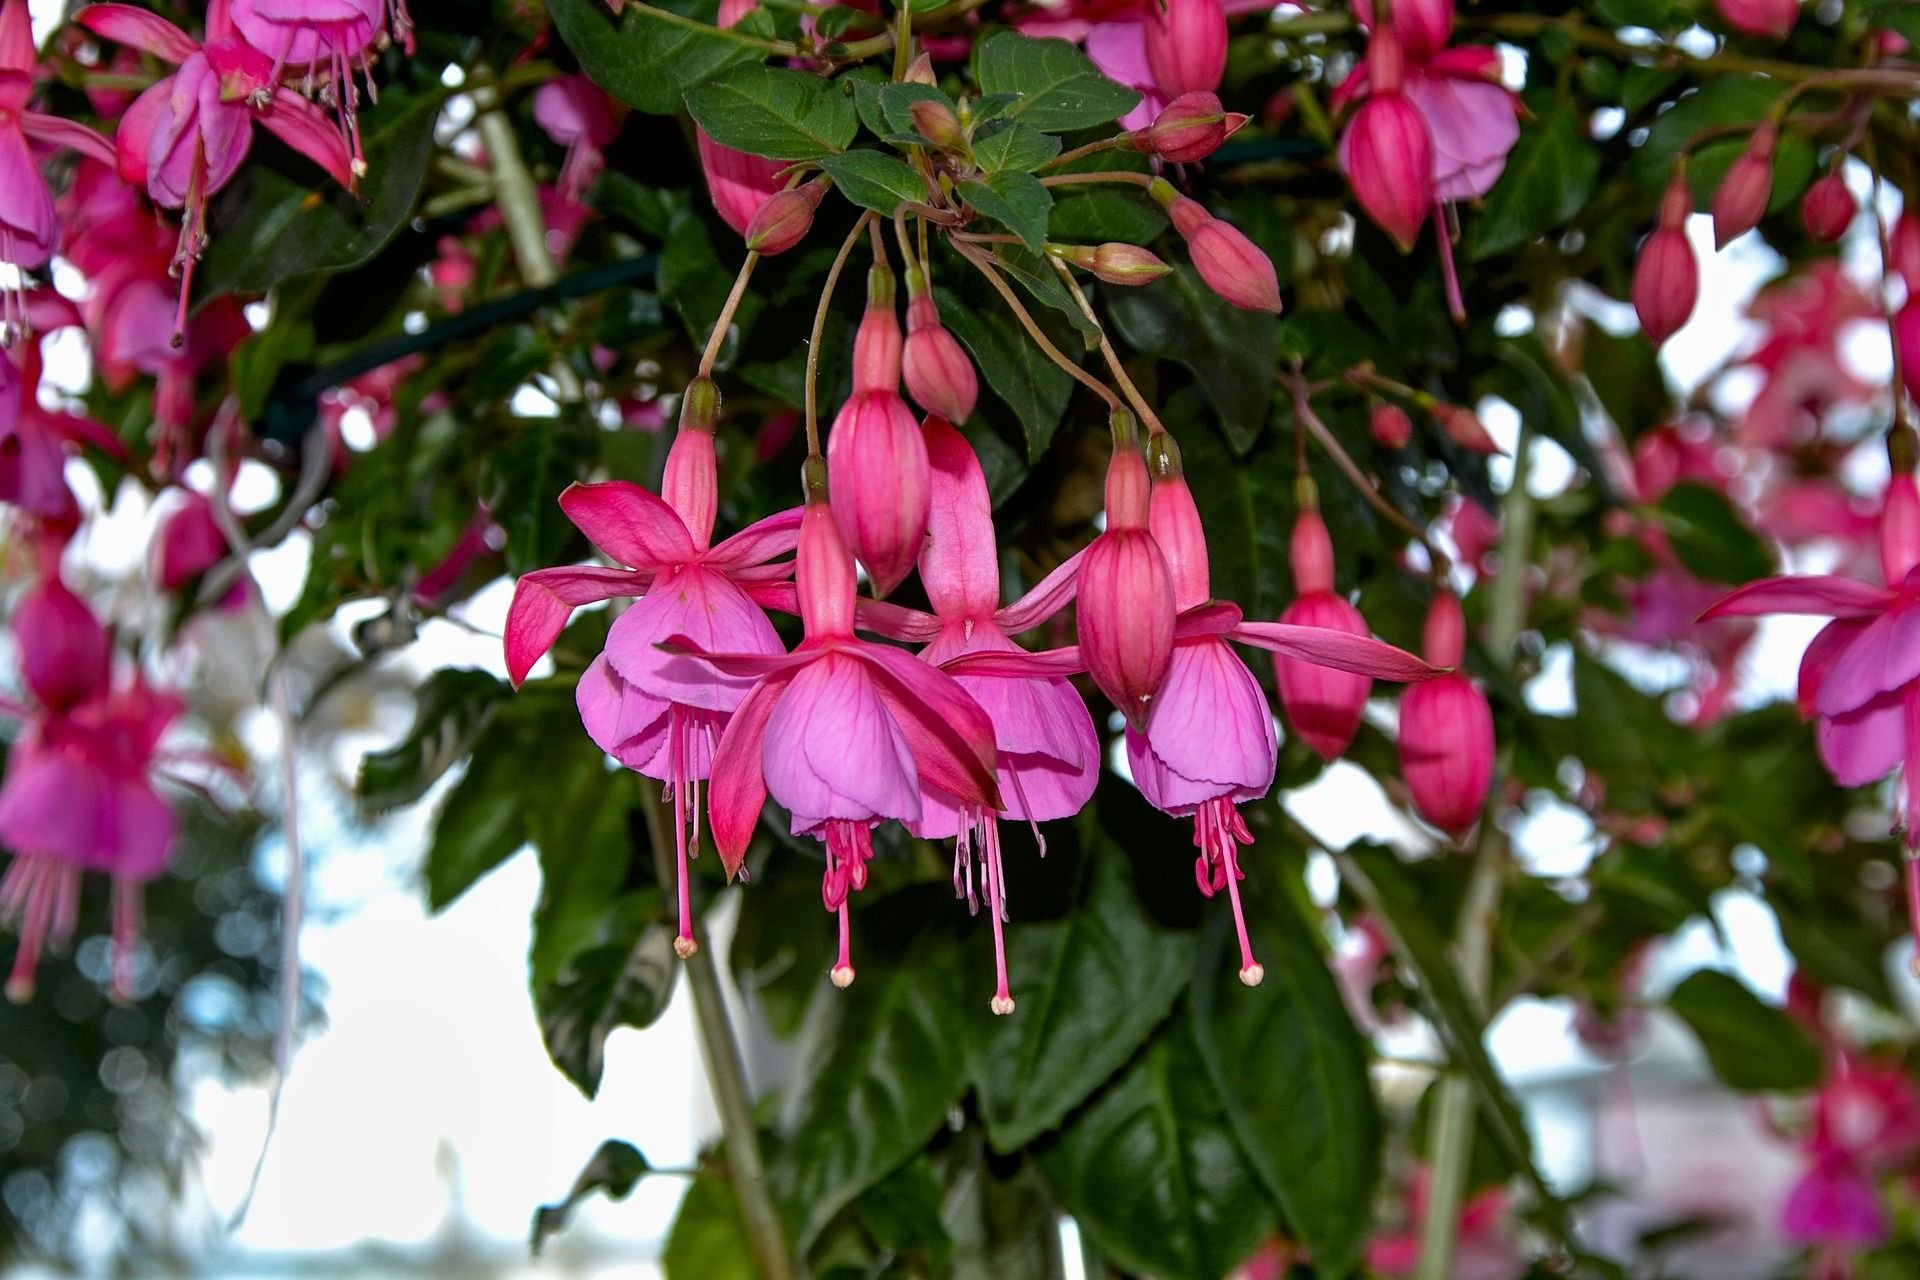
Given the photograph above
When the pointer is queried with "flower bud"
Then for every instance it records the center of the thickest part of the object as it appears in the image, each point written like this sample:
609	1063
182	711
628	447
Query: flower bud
784	220
1666	280
691	483
1186	44
1113	262
1392	429
939	376
1906	250
921	72
1446	731
935	122
63	647
1174	521
1232	265
1744	192
876	344
1126	601
1828	207
823	567
1769	19
1906	335
1189	128
1323	705
1899	529
1464	429
1388	154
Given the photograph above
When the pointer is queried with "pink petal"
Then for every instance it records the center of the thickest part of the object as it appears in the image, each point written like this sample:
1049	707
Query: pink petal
50	807
1019	663
1361	655
894	621
777	535
1885	657
628	523
1216	618
543	601
1834	1203
1865	744
950	736
133	141
139	826
833	750
1824	595
65	133
1474	126
1210	722
310	131
960	563
1048	597
739	785
1034	717
625	723
754	666
699	610
140	28
26	204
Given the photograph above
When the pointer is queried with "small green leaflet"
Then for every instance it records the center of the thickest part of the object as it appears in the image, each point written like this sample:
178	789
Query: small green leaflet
1058	87
1003	148
774	112
1015	200
874	180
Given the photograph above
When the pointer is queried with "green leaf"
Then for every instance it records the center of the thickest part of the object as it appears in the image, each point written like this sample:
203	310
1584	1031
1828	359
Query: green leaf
278	222
1902	16
480	824
1058	87
902	1214
1032	386
1003	147
1091	214
1626	377
1246	504
1834	950
1710	538
1732	100
1151	1172
875	1069
1104	976
1292	1071
1752	1046
1547	181
775	112
616	1168
521	479
1016	201
707	1241
874	180
1230	351
625	983
452	708
648	61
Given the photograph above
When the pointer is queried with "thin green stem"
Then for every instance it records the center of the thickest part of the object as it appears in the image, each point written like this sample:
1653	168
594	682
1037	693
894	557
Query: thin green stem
860	50
725	320
1119	372
902	39
727	1073
1091	148
779	48
820	326
1104	175
984	265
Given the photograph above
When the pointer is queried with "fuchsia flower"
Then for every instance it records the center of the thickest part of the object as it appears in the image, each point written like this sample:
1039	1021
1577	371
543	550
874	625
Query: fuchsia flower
330	39
652	711
1387	150
844	733
1186	45
577	114
185	137
1323	704
1190	128
1127	612
1446	729
1866	1121
785	218
1828	208
876	458
1202	740
1233	266
1047	751
27	225
1391	427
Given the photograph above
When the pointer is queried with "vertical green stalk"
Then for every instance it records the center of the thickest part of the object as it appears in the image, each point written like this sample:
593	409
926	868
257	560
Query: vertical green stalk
514	189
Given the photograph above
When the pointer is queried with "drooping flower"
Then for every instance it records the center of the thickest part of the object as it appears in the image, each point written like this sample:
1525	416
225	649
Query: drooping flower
1827	209
577	114
1323	704
1446	729
1127	614
1186	45
34	440
843	732
876	458
63	648
185	137
1743	193
654	712
330	40
1387	151
1666	279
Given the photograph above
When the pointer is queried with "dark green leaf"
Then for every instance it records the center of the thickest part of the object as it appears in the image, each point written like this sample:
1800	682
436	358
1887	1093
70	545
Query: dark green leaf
452	708
1058	87
902	1214
874	180
1005	146
646	60
1017	371
507	358
1625	375
480	824
625	983
523	479
1732	100
1230	351
1152	1173
1104	976
1902	16
707	1241
1292	1072
775	112
1751	1045
1092	214
1017	201
1548	178
272	225
1834	950
1710	538
613	1172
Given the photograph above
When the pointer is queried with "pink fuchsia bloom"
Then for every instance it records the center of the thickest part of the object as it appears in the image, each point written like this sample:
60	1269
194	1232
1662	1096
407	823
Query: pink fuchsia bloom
1906	333
1233	266
1743	193
1047	751
27	225
1189	129
876	457
938	374
1186	45
1768	19
1666	280
185	137
79	796
1387	150
738	183
579	116
1127	611
656	713
35	441
1827	209
1835	1202
1446	730
1323	704
1808	319
843	732
1868	1111
330	39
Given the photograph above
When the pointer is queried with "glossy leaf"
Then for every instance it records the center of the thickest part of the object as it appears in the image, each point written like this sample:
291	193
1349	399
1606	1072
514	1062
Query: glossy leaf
1548	179
1752	1046
614	1171
706	1241
452	708
775	112
1230	351
874	180
647	61
1058	88
1710	538
1016	201
1013	147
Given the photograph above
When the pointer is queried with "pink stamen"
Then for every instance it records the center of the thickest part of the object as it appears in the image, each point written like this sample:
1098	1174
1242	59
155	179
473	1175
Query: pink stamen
684	945
1219	831
842	972
1002	1002
126	933
27	896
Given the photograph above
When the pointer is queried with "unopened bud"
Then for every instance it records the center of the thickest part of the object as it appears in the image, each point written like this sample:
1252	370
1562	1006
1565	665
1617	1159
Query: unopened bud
1190	128
1392	429
936	122
921	72
1666	280
1744	192
1828	207
1113	262
1185	44
1464	429
784	220
938	374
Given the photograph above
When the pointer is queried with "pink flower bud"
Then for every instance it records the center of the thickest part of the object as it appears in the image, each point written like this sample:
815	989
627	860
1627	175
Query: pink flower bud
784	220
1446	731
1186	44
1392	429
1464	429
1906	333
1126	603
939	376
1828	208
1323	705
876	344
1232	265
1115	263
936	122
1189	128
1906	250
1666	280
1899	529
876	458
1388	154
1770	19
1174	521
691	483
1744	192
63	647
